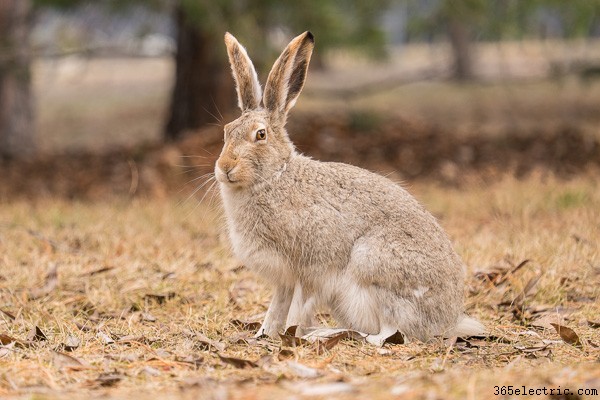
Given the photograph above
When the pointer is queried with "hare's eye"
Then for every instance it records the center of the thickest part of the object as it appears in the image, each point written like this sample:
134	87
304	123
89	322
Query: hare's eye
261	134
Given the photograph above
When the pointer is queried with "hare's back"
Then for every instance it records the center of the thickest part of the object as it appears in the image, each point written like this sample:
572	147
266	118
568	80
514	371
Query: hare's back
385	209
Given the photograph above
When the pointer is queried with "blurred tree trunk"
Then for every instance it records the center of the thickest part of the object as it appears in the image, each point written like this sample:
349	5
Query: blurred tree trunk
203	84
16	103
460	41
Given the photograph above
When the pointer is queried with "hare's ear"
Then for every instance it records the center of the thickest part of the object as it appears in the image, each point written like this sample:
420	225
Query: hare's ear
288	74
246	80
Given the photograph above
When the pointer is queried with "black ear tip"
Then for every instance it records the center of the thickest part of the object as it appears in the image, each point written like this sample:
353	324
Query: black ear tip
310	36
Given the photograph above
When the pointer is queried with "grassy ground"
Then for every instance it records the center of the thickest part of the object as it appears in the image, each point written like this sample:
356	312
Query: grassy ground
124	298
145	293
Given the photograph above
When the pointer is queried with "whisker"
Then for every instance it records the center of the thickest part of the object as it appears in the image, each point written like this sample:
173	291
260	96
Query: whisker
194	192
203	149
202	199
200	177
212	115
217	108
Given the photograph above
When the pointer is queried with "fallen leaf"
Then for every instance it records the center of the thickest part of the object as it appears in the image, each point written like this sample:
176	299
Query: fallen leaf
568	335
151	371
285	354
302	371
82	327
242	338
108	379
290	340
104	338
62	360
159	298
9	315
547	320
206	343
246	325
396	338
36	335
532	349
527	290
498	275
323	389
6	340
195	361
97	271
326	333
238	362
145	316
594	324
71	343
321	346
51	280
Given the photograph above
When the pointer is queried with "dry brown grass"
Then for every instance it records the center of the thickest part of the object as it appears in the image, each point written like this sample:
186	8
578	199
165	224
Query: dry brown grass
153	274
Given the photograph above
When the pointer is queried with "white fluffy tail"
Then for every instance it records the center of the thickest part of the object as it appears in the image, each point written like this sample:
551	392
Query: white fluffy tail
467	326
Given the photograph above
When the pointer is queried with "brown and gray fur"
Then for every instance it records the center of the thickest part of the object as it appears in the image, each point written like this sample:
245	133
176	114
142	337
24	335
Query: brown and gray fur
329	235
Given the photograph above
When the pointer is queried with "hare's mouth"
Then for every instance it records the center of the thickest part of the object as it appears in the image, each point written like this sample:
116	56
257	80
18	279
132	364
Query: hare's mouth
227	177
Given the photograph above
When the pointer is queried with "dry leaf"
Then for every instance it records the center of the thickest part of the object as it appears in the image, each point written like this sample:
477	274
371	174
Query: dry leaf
546	321
150	371
97	271
206	343
6	340
104	338
71	343
396	338
289	339
326	333
9	315
498	275
145	316
302	371
285	354
238	362
527	290
568	335
108	379
246	325
62	360
321	346
159	298
4	351
51	281
326	390
36	335
594	324
195	361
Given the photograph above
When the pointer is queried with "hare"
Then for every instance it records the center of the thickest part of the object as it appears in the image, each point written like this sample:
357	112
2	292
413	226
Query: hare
328	234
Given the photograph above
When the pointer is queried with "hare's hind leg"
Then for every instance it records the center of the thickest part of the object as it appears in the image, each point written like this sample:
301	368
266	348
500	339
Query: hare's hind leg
277	312
301	311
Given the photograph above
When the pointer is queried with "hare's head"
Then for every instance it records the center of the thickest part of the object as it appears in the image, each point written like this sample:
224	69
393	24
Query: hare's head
256	144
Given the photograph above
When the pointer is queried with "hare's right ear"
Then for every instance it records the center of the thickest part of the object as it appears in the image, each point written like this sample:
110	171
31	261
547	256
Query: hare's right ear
286	79
246	81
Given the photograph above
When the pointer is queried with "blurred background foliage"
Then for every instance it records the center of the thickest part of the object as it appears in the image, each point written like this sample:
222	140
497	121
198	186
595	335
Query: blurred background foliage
191	31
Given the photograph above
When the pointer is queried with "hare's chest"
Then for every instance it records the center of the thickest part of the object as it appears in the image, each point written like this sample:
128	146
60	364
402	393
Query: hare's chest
265	261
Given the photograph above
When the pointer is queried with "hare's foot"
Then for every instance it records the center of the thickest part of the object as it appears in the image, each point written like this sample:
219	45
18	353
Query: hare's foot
276	314
379	339
301	311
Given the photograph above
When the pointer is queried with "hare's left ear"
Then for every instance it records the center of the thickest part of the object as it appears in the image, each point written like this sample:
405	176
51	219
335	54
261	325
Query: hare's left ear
246	80
288	74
